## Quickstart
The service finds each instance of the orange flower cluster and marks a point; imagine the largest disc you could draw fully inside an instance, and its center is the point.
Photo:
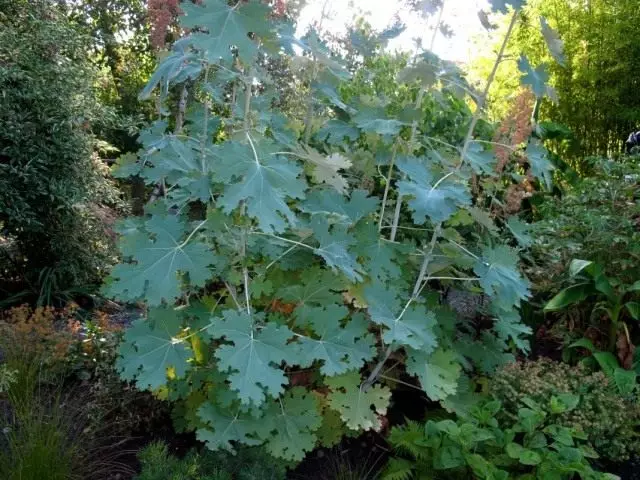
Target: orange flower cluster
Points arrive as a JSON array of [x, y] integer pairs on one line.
[[37, 333], [279, 8], [516, 193], [512, 133], [514, 129], [47, 334], [161, 14]]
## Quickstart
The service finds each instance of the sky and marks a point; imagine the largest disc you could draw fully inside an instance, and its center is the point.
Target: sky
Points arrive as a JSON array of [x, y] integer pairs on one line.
[[460, 15]]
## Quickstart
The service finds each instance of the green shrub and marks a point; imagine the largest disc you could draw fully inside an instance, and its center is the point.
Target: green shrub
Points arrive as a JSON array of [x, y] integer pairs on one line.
[[55, 197], [597, 219], [609, 421], [531, 444], [247, 464]]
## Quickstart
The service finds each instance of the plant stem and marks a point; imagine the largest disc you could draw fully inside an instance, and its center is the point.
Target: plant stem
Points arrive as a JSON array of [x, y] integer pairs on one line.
[[159, 190], [387, 188], [437, 27], [245, 275], [416, 291], [614, 315], [308, 118], [247, 108], [396, 218], [483, 98], [182, 106], [412, 139], [427, 260], [203, 141]]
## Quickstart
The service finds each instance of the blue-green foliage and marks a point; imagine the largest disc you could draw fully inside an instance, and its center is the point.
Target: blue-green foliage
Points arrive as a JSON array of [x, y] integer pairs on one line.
[[290, 275]]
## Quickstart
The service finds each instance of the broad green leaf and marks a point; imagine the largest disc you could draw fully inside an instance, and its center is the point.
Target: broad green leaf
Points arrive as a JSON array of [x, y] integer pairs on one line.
[[424, 71], [331, 430], [253, 359], [571, 401], [501, 5], [635, 287], [448, 457], [293, 420], [316, 287], [225, 427], [570, 296], [584, 343], [335, 243], [438, 372], [382, 259], [169, 157], [634, 309], [164, 250], [375, 120], [413, 326], [559, 434], [554, 42], [151, 346], [358, 408], [488, 352], [261, 181], [326, 169], [479, 465], [536, 78], [499, 277], [625, 380], [179, 65], [347, 211], [607, 361], [330, 92], [508, 325], [126, 166], [482, 161], [578, 266], [430, 198], [520, 230], [529, 457], [340, 346], [335, 131], [514, 450], [228, 26], [541, 167], [483, 218], [464, 400]]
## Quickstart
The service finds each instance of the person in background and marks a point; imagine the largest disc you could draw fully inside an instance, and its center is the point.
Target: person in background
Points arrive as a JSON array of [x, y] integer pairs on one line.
[[632, 141]]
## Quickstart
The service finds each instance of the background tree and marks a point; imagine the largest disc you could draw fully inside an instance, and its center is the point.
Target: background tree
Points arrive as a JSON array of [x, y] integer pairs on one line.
[[54, 194], [597, 81]]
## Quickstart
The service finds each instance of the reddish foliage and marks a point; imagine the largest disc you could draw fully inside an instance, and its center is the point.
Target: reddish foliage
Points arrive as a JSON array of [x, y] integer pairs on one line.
[[161, 14], [279, 8], [515, 129], [626, 350], [281, 307]]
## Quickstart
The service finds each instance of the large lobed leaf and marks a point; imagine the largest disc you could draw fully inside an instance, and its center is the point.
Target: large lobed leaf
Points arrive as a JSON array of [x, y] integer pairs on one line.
[[430, 198], [226, 26], [253, 354], [359, 408], [162, 251], [153, 345], [259, 180]]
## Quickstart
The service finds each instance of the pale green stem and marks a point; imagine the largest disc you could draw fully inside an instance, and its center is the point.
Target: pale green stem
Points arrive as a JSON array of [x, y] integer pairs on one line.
[[483, 99], [387, 188]]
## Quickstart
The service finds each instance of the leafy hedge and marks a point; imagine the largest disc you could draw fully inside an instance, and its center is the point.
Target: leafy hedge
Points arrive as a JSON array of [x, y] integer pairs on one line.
[[53, 190]]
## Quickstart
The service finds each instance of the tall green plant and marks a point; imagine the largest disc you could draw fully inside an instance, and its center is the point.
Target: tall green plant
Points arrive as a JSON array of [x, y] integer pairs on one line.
[[53, 190], [275, 296]]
